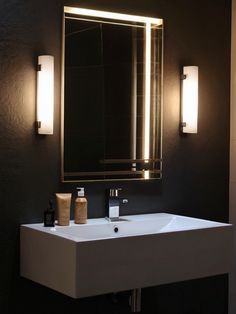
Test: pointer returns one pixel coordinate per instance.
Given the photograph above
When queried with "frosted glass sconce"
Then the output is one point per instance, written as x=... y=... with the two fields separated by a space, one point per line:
x=45 y=94
x=189 y=99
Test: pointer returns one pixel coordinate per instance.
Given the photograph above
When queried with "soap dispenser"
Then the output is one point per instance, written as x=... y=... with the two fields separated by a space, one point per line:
x=80 y=210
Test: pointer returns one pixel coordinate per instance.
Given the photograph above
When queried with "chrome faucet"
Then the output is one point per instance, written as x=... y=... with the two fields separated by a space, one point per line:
x=113 y=202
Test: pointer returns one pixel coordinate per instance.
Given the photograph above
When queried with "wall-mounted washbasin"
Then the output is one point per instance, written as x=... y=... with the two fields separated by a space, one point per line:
x=138 y=251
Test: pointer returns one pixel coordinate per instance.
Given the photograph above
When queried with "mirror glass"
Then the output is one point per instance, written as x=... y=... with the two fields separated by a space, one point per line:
x=111 y=96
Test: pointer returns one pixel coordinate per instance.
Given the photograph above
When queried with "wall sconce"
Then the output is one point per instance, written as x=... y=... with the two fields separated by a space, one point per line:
x=189 y=99
x=45 y=94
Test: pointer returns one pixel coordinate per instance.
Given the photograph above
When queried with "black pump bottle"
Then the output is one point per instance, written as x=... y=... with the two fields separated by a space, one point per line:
x=49 y=216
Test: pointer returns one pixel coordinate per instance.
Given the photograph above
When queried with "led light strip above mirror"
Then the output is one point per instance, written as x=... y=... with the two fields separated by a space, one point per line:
x=113 y=15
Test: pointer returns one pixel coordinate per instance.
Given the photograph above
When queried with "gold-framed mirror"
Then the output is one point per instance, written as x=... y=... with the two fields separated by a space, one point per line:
x=111 y=126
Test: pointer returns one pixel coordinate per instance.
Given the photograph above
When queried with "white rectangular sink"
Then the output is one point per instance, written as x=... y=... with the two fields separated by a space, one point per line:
x=138 y=251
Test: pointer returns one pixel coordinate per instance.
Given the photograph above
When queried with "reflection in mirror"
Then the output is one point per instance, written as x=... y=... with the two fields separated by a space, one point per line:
x=111 y=96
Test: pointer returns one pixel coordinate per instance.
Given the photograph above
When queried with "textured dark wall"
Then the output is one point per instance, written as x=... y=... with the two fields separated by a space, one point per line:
x=195 y=167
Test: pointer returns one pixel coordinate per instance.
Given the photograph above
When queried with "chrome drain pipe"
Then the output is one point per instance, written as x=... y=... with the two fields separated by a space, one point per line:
x=135 y=300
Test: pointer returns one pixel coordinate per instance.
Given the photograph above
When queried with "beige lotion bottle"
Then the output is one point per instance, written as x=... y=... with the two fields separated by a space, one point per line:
x=81 y=205
x=63 y=201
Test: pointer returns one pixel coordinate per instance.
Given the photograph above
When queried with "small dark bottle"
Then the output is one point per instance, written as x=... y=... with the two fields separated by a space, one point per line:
x=49 y=216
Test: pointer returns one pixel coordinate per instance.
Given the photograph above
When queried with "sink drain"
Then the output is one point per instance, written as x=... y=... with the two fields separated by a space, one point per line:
x=116 y=229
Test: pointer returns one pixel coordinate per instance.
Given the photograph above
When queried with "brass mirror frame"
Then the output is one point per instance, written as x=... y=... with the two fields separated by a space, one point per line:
x=147 y=23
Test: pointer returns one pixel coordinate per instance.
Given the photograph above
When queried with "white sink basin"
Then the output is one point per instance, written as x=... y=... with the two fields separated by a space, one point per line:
x=139 y=251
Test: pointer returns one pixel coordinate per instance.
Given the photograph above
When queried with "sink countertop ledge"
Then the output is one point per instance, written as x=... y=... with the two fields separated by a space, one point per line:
x=139 y=251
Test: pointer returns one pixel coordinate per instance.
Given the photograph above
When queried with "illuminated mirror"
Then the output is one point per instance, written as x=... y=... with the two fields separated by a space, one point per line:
x=111 y=96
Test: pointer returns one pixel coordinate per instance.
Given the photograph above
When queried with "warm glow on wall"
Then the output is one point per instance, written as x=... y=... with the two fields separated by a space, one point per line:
x=45 y=94
x=189 y=99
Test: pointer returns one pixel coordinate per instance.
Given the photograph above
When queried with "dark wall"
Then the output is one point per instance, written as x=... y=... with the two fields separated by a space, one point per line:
x=195 y=167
